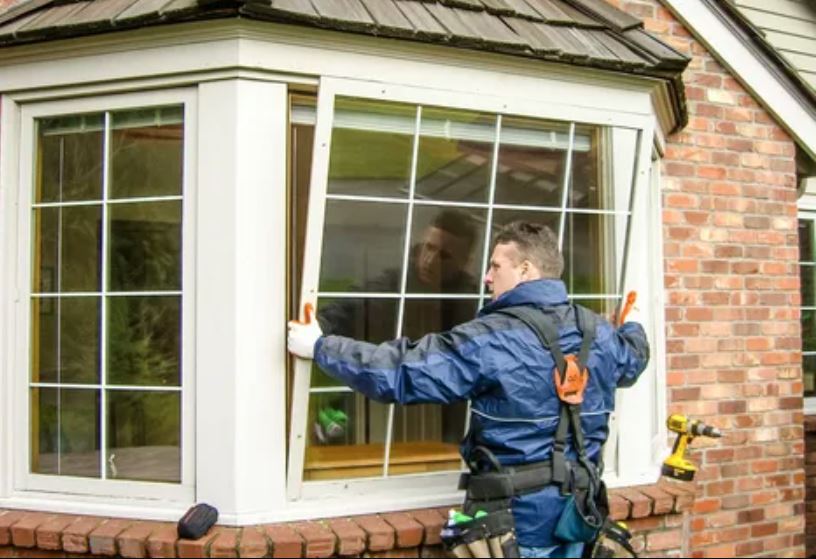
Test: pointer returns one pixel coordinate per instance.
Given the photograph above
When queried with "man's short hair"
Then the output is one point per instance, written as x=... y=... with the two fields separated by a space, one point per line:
x=457 y=223
x=536 y=243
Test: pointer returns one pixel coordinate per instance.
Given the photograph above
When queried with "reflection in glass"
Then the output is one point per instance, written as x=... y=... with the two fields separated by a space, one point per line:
x=446 y=250
x=808 y=330
x=362 y=246
x=145 y=246
x=589 y=254
x=808 y=285
x=65 y=340
x=426 y=316
x=144 y=340
x=371 y=148
x=809 y=374
x=586 y=184
x=65 y=432
x=146 y=153
x=806 y=244
x=144 y=436
x=67 y=249
x=604 y=307
x=345 y=436
x=455 y=155
x=70 y=159
x=370 y=320
x=532 y=160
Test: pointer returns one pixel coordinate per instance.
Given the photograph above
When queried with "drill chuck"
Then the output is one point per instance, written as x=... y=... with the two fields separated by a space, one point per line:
x=698 y=429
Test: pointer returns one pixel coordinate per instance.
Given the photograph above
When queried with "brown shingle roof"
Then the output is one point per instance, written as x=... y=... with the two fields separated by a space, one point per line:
x=579 y=32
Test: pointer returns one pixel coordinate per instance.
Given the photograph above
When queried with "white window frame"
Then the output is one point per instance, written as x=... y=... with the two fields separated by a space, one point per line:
x=807 y=211
x=68 y=487
x=644 y=441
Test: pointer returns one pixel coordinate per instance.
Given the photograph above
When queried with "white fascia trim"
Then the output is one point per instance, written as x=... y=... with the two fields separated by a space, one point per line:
x=751 y=72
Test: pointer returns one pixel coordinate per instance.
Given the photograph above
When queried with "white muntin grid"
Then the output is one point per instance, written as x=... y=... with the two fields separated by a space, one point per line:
x=413 y=201
x=807 y=265
x=102 y=297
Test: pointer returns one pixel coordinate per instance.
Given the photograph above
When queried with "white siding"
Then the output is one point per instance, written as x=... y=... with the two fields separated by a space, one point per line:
x=790 y=26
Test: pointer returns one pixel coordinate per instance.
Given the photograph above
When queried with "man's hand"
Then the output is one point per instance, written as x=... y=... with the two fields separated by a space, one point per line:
x=304 y=335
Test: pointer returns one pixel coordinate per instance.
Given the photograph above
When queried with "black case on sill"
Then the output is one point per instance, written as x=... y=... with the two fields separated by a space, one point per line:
x=197 y=521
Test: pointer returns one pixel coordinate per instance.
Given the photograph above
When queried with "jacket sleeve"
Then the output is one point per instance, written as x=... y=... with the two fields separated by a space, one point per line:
x=631 y=353
x=438 y=368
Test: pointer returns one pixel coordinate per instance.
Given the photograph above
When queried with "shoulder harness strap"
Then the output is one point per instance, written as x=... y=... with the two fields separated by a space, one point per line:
x=570 y=380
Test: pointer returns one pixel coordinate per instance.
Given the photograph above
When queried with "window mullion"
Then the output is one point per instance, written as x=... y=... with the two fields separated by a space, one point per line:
x=103 y=331
x=565 y=190
x=406 y=251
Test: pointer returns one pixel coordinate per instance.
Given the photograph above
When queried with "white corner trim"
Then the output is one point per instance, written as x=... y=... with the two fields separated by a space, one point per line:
x=750 y=71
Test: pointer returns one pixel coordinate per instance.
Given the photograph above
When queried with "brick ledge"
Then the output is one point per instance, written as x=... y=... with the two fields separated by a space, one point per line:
x=399 y=534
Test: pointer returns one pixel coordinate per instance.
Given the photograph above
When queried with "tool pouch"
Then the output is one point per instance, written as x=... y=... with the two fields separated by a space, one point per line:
x=584 y=515
x=490 y=536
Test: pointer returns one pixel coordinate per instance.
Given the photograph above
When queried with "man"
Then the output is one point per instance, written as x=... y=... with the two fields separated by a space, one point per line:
x=499 y=363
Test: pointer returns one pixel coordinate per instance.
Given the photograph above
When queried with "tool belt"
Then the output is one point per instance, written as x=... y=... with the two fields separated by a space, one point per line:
x=490 y=487
x=512 y=481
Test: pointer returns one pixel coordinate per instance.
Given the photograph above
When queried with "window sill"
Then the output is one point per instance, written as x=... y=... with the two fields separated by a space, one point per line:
x=406 y=531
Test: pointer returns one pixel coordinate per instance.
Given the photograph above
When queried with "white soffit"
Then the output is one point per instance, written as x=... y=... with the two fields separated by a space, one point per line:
x=751 y=72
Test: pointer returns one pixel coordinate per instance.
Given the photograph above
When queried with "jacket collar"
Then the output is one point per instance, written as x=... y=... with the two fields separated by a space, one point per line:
x=541 y=293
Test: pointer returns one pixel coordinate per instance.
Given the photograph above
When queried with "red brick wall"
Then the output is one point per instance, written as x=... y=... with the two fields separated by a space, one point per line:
x=810 y=485
x=656 y=514
x=732 y=318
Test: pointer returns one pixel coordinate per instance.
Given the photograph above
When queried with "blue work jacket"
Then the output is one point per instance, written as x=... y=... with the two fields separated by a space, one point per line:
x=499 y=363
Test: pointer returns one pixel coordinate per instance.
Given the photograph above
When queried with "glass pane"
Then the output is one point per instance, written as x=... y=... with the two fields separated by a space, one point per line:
x=65 y=432
x=807 y=275
x=808 y=330
x=145 y=246
x=426 y=438
x=146 y=153
x=362 y=246
x=589 y=254
x=455 y=155
x=446 y=250
x=425 y=316
x=144 y=340
x=587 y=184
x=604 y=307
x=532 y=159
x=806 y=244
x=809 y=374
x=67 y=251
x=70 y=159
x=371 y=149
x=65 y=340
x=144 y=436
x=371 y=320
x=345 y=437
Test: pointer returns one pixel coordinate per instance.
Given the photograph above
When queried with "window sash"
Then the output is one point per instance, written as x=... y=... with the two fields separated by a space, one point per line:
x=23 y=478
x=808 y=215
x=329 y=90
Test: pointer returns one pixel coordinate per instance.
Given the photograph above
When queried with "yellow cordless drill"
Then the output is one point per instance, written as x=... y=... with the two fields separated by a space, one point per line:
x=676 y=466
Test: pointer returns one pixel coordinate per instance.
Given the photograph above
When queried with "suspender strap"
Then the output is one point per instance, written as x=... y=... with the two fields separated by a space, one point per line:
x=586 y=322
x=543 y=324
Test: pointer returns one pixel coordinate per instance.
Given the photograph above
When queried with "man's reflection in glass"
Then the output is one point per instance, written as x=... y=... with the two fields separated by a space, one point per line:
x=438 y=264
